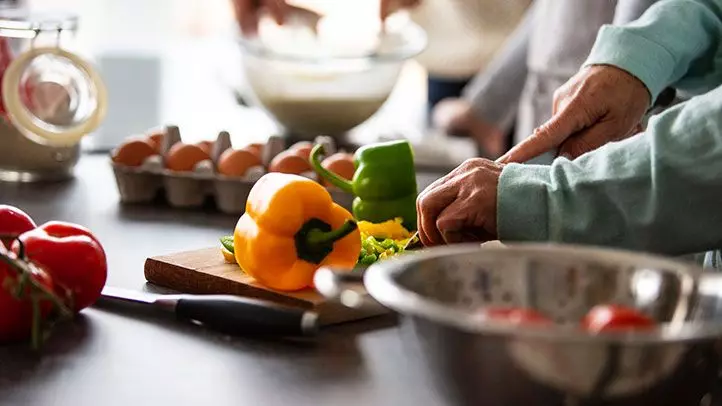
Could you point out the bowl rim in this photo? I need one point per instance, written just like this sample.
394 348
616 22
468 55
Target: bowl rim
379 283
414 46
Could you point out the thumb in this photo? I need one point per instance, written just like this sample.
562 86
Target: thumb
547 137
588 140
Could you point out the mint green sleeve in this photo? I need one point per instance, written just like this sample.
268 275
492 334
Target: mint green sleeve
659 191
674 43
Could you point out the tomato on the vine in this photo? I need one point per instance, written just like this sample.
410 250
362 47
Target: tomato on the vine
13 222
72 255
606 318
16 313
516 315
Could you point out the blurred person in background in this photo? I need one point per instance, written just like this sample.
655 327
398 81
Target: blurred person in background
515 92
463 38
463 35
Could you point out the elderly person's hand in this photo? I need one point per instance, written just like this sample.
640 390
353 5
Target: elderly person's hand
461 206
599 104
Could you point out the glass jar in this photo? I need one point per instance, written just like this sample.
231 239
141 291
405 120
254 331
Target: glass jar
51 97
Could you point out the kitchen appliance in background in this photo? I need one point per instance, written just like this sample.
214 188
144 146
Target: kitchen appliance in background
134 97
51 97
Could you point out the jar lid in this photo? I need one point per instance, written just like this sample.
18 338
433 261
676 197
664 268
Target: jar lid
53 96
21 23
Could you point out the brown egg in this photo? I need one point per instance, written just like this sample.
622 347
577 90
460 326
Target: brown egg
156 140
183 157
235 162
341 164
302 148
256 148
288 162
133 152
206 146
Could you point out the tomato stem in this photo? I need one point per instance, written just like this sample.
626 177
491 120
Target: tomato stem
36 329
21 250
26 268
20 288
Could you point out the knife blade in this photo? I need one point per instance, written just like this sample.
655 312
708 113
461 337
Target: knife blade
414 242
232 315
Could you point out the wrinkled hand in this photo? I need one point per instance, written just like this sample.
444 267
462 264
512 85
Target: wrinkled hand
248 12
389 7
461 206
599 104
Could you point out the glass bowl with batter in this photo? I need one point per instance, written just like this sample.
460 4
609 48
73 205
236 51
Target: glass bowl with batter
329 78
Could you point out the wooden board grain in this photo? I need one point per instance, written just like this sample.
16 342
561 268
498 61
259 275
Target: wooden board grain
204 271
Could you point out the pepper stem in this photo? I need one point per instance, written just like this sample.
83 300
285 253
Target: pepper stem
318 237
314 241
334 179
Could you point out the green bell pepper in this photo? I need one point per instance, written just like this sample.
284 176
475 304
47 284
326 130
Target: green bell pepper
384 183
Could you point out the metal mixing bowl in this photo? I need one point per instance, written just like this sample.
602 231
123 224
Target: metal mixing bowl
475 361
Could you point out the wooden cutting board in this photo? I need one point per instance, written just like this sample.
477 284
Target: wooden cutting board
204 271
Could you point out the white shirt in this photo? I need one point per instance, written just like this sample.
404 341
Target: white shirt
465 35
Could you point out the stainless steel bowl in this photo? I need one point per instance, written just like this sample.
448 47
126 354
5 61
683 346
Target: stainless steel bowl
475 361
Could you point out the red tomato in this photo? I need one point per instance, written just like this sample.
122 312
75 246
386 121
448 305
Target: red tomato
16 316
516 315
13 222
72 256
604 318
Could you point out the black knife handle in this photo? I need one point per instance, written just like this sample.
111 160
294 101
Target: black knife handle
243 316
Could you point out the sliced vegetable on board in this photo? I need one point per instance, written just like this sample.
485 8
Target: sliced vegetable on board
381 241
227 249
292 227
384 182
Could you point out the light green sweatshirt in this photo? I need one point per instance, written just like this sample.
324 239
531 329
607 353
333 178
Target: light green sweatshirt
660 191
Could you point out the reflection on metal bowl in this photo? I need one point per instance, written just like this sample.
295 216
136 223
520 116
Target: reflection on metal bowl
478 361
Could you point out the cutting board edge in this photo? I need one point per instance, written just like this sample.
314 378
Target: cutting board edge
211 284
203 271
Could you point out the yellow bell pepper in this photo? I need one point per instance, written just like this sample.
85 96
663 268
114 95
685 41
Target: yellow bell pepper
291 228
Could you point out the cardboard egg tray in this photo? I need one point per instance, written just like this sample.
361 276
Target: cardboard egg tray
143 184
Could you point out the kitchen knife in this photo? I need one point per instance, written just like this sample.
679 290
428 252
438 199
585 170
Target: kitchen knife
414 242
227 314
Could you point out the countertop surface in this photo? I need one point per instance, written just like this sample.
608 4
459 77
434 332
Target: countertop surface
120 359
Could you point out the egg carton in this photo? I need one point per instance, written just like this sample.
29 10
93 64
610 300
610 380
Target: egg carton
144 183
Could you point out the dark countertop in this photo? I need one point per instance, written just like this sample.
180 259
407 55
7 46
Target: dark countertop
113 359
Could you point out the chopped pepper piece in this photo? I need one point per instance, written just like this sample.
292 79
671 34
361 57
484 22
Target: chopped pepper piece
384 182
291 228
388 229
